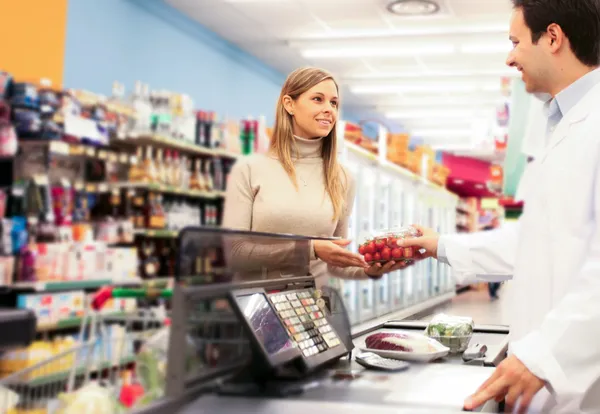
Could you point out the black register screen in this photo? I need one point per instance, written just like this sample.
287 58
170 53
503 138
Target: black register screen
264 322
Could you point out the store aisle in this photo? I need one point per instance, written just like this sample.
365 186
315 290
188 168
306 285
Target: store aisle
476 304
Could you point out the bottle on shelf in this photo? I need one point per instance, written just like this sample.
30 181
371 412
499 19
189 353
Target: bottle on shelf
167 168
136 171
140 101
197 181
208 180
208 129
219 183
247 137
200 130
175 178
150 174
155 215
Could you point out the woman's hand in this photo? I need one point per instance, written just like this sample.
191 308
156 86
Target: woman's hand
377 270
333 253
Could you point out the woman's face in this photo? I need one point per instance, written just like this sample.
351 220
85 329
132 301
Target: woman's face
315 112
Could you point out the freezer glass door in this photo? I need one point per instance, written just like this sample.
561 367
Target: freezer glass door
348 288
396 220
408 274
382 223
365 194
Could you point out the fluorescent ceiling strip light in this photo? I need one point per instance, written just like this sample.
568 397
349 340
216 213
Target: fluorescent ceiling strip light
391 51
420 30
435 73
442 133
432 114
481 48
425 87
436 107
462 101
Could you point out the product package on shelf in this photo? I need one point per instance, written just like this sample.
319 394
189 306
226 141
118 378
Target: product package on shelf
44 262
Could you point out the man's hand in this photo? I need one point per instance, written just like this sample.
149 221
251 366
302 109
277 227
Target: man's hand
427 242
510 381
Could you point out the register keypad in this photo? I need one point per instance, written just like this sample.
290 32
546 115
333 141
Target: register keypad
305 321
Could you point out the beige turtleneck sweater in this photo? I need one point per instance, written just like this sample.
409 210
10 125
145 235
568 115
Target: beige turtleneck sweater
261 197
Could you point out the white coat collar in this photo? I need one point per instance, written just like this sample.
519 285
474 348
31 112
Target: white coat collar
576 115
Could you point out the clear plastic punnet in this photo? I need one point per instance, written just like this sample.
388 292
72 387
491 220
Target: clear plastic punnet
455 332
383 246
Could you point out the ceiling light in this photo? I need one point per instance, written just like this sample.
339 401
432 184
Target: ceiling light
413 7
476 100
454 114
389 51
509 71
424 87
442 133
482 48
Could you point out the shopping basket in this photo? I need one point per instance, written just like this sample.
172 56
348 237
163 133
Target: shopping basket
115 363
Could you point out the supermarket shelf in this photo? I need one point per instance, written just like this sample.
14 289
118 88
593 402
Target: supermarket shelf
64 375
72 322
158 233
171 143
59 285
79 149
170 190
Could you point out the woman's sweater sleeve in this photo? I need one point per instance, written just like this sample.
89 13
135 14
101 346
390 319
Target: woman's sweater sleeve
341 231
261 254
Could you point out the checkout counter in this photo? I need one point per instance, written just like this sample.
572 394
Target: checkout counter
255 335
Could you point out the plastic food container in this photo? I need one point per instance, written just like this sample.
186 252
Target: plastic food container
383 247
455 332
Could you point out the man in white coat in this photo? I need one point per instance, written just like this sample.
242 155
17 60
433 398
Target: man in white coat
553 252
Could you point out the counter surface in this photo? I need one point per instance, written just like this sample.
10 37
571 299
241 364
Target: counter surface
436 387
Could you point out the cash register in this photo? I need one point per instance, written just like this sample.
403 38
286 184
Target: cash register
290 331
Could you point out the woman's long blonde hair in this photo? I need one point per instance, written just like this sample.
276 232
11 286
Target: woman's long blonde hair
282 142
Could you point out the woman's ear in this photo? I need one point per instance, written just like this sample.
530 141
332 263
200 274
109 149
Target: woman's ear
288 104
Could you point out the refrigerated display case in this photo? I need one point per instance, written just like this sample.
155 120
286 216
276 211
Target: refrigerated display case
366 227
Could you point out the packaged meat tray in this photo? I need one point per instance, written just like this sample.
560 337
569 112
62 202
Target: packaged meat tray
405 345
455 332
383 247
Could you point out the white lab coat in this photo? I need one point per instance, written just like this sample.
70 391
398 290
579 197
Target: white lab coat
553 253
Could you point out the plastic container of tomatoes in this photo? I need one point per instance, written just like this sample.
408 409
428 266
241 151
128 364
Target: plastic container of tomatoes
383 247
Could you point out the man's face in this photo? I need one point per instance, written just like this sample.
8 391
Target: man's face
529 58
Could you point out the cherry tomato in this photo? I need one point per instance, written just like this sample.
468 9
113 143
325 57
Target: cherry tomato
377 257
386 254
361 250
368 257
379 245
370 248
408 252
396 253
392 243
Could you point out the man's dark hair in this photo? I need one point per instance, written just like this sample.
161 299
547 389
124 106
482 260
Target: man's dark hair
578 19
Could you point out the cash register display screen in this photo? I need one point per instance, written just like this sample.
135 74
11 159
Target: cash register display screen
265 323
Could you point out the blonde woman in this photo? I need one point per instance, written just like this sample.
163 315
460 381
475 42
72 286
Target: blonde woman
299 187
